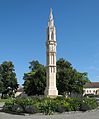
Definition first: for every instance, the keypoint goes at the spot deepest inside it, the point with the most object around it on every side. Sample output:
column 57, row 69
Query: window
column 90, row 91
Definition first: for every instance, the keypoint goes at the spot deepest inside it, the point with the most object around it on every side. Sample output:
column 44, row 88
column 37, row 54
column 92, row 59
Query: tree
column 35, row 80
column 8, row 79
column 69, row 79
column 1, row 86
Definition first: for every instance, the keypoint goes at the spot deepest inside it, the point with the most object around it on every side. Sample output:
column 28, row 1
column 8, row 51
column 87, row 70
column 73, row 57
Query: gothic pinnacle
column 51, row 14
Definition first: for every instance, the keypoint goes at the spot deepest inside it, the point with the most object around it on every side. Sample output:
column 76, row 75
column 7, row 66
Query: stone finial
column 51, row 14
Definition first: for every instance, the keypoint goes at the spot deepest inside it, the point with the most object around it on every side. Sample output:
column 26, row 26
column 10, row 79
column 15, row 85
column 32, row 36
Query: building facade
column 51, row 89
column 91, row 88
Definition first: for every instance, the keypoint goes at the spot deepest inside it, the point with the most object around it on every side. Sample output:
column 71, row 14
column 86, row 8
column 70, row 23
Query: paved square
column 71, row 115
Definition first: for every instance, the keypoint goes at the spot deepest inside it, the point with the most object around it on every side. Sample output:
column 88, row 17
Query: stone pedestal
column 51, row 92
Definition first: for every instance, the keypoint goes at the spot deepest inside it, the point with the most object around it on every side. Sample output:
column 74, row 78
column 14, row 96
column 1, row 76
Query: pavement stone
column 71, row 115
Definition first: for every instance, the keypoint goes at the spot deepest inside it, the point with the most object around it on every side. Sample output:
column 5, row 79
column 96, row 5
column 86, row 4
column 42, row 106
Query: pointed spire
column 51, row 20
column 51, row 15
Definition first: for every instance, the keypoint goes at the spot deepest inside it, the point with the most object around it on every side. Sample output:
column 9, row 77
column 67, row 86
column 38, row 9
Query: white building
column 91, row 88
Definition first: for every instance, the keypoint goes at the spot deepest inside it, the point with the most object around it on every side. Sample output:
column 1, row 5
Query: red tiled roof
column 92, row 85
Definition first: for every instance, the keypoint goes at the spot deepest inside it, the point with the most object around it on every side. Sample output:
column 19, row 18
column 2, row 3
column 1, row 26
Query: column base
column 51, row 92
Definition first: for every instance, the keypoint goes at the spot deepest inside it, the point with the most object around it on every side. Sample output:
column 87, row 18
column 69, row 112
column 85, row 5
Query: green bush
column 8, row 105
column 31, row 109
column 62, row 105
column 66, row 105
column 28, row 104
column 17, row 109
column 88, row 104
column 74, row 103
column 49, row 105
column 24, row 101
column 60, row 109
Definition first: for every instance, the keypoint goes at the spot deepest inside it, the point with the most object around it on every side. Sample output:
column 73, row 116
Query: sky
column 23, row 26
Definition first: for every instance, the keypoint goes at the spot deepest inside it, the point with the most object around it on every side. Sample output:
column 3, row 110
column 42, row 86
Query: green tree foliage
column 1, row 86
column 8, row 80
column 69, row 79
column 35, row 80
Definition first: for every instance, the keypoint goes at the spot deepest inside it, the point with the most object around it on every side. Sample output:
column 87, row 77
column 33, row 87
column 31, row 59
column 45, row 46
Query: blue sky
column 23, row 26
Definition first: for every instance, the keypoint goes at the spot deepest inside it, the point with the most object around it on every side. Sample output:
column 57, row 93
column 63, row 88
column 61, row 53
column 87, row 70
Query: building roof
column 92, row 85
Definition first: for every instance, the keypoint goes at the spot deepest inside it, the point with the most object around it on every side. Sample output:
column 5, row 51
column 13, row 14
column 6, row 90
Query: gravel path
column 71, row 115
